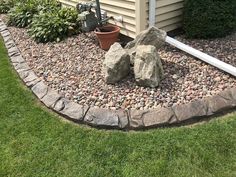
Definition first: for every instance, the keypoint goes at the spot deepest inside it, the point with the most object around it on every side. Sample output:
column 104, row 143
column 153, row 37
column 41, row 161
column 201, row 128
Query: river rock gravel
column 73, row 67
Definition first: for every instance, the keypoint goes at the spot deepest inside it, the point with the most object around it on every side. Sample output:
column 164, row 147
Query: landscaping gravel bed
column 73, row 67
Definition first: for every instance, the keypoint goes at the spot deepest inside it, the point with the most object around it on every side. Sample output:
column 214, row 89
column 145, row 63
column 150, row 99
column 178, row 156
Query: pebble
column 217, row 79
column 175, row 76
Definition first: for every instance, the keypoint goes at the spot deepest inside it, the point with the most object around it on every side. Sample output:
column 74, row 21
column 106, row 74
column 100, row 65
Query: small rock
column 217, row 79
column 175, row 76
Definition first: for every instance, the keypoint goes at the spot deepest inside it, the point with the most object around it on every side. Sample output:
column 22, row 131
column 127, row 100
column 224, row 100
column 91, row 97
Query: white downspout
column 152, row 13
column 204, row 57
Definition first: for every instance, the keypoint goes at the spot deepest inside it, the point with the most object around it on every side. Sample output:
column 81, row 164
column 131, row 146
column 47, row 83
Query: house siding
column 126, row 8
column 135, row 13
column 169, row 14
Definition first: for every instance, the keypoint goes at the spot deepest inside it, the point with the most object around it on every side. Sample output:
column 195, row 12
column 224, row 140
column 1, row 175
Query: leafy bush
column 46, row 20
column 6, row 5
column 54, row 26
column 70, row 15
column 209, row 18
column 22, row 13
column 48, row 5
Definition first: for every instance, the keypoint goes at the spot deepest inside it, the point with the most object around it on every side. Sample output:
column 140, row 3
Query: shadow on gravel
column 173, row 73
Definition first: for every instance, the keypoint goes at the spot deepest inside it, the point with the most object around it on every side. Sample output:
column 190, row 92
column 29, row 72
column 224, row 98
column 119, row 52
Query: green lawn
column 35, row 142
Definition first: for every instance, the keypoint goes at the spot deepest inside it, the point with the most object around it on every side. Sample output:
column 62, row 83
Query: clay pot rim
column 116, row 29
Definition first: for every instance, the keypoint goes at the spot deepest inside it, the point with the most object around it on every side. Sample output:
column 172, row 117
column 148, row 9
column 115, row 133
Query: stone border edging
column 119, row 119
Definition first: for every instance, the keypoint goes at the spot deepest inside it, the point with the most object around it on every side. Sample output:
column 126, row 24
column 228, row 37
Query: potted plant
column 108, row 34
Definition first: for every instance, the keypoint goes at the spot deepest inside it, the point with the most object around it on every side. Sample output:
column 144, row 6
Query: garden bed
column 74, row 68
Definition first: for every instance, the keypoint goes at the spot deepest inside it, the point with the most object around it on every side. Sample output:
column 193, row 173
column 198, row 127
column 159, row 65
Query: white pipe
column 204, row 57
column 152, row 13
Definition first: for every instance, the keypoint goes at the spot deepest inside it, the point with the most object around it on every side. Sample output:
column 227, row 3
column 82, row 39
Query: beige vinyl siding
column 135, row 13
column 126, row 8
column 169, row 14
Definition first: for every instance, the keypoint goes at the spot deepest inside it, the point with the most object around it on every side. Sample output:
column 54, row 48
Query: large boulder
column 116, row 65
column 151, row 36
column 148, row 68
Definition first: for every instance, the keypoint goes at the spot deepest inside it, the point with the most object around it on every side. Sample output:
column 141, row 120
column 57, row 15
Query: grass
column 35, row 142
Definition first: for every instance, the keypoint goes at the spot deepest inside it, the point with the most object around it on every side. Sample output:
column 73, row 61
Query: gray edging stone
column 233, row 93
column 51, row 98
column 10, row 43
column 3, row 28
column 40, row 89
column 150, row 118
column 70, row 109
column 5, row 33
column 30, row 77
column 23, row 74
column 106, row 118
column 7, row 39
column 13, row 51
column 31, row 83
column 221, row 102
column 120, row 119
column 17, row 59
column 21, row 67
column 195, row 109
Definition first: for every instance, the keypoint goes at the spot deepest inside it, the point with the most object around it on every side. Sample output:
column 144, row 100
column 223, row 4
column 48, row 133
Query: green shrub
column 71, row 15
column 48, row 5
column 6, row 5
column 22, row 13
column 209, row 18
column 54, row 26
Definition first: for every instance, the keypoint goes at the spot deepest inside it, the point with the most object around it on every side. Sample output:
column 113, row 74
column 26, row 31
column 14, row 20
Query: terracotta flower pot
column 107, row 35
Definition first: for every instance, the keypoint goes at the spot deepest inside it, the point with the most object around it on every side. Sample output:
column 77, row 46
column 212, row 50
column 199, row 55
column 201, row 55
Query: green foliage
column 70, row 15
column 46, row 20
column 21, row 15
column 54, row 26
column 6, row 5
column 209, row 18
column 47, row 5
